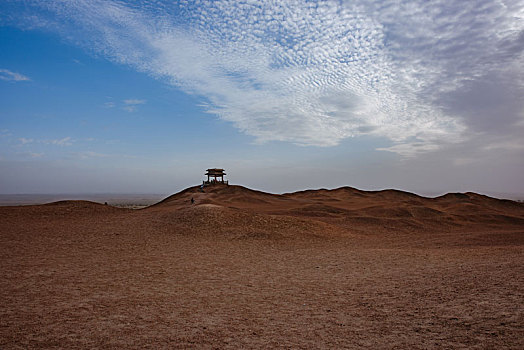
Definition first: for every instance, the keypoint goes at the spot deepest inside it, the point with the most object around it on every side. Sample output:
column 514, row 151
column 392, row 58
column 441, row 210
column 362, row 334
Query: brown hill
column 239, row 268
column 240, row 212
column 351, row 210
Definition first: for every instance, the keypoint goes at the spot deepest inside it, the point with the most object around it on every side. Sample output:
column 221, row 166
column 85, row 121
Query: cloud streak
column 8, row 75
column 66, row 141
column 134, row 102
column 131, row 104
column 25, row 141
column 314, row 73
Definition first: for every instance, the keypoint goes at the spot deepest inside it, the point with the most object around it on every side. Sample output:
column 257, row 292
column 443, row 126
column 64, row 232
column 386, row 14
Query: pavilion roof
column 215, row 171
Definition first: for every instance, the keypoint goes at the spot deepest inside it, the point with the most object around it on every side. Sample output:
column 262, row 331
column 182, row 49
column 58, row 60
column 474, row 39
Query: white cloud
column 134, row 102
column 6, row 74
column 66, row 141
column 131, row 104
column 92, row 154
column 410, row 149
column 25, row 141
column 31, row 154
column 505, row 145
column 316, row 73
column 89, row 154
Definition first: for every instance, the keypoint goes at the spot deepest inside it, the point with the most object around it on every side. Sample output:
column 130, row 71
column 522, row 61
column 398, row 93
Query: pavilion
column 215, row 176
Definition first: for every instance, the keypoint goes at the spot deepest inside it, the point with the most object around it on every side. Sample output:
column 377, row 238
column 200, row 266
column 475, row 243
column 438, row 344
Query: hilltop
column 352, row 210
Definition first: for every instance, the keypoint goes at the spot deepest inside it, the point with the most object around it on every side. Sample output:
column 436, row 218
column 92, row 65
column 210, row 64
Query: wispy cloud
column 134, row 102
column 314, row 73
column 25, row 141
column 89, row 154
column 66, row 141
column 129, row 108
column 505, row 145
column 131, row 104
column 8, row 75
column 35, row 154
column 95, row 155
column 30, row 154
column 410, row 149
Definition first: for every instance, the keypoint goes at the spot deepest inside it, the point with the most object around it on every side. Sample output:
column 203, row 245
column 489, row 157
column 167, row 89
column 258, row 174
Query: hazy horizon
column 140, row 96
column 23, row 198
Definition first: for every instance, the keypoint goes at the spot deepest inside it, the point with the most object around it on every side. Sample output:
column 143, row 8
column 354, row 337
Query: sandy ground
column 131, row 201
column 244, row 269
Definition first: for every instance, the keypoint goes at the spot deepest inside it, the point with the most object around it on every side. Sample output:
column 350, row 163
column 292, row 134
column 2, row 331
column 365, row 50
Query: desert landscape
column 239, row 268
column 110, row 111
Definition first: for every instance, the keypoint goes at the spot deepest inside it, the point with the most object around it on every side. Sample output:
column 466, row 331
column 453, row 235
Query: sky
column 143, row 96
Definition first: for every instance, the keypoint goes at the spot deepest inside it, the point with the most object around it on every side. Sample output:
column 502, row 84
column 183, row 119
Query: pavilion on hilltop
column 215, row 176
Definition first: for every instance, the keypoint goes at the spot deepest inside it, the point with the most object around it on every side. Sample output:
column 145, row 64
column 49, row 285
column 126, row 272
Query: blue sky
column 143, row 96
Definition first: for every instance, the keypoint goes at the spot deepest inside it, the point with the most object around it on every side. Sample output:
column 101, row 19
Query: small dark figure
column 105, row 203
column 192, row 200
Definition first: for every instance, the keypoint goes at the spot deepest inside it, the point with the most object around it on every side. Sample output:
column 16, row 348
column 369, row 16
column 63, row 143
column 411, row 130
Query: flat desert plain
column 242, row 269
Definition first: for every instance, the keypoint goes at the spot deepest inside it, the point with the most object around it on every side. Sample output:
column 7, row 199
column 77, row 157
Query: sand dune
column 239, row 268
column 346, row 207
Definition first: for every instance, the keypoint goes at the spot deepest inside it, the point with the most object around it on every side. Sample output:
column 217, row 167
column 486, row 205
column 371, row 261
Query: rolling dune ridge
column 240, row 268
